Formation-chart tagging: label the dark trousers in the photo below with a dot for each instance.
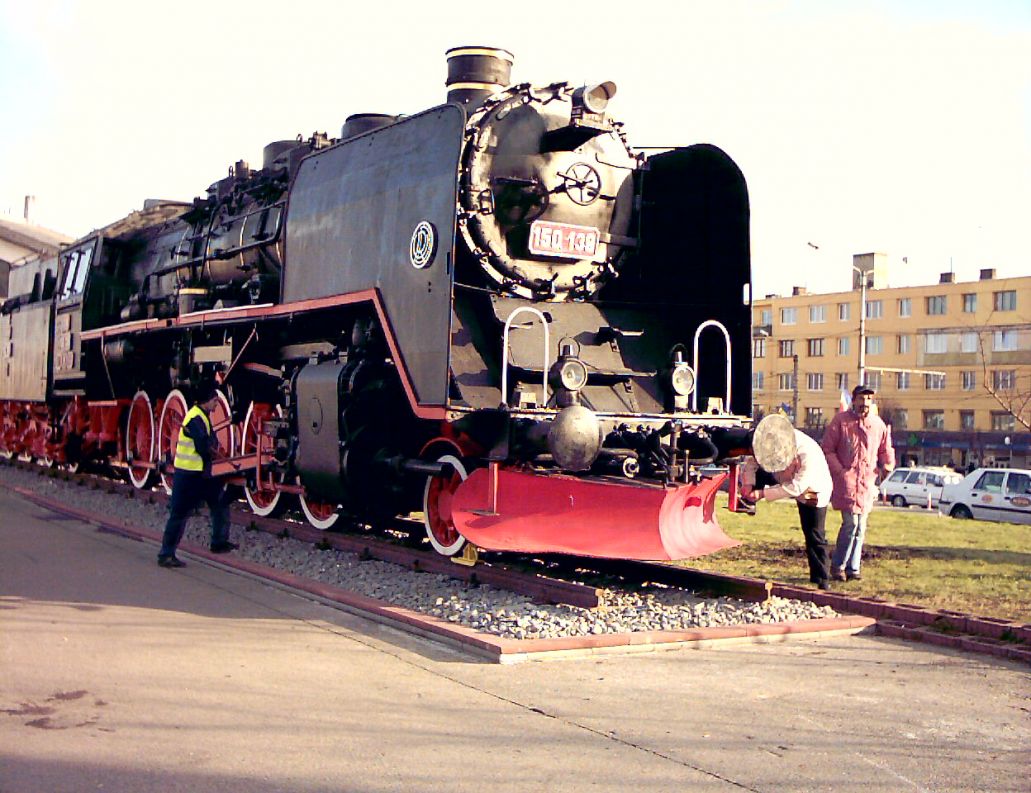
(813, 520)
(188, 490)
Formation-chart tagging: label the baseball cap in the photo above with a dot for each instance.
(862, 389)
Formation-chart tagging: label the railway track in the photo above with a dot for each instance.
(582, 583)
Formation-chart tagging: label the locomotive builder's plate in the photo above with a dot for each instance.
(563, 239)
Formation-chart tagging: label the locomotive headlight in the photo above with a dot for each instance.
(682, 379)
(593, 98)
(572, 374)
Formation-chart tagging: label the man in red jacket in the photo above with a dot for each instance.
(857, 443)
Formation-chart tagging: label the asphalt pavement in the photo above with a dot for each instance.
(118, 675)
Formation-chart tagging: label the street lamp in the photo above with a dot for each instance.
(863, 274)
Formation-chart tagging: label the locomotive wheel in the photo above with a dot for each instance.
(172, 414)
(436, 508)
(320, 514)
(139, 440)
(262, 495)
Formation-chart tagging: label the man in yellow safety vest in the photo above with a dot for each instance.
(193, 483)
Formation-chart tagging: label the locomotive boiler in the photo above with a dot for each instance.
(495, 312)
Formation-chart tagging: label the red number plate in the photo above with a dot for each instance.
(563, 239)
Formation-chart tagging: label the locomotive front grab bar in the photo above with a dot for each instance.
(709, 323)
(504, 351)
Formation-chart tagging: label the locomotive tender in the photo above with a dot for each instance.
(494, 311)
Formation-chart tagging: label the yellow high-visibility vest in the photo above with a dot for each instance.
(186, 456)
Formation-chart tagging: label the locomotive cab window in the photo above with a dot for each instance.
(76, 267)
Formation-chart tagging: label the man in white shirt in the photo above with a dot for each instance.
(790, 464)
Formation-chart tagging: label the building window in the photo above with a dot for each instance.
(874, 345)
(1004, 340)
(902, 344)
(814, 381)
(786, 382)
(900, 418)
(757, 381)
(934, 382)
(934, 419)
(814, 417)
(843, 346)
(935, 343)
(758, 348)
(968, 342)
(969, 303)
(936, 304)
(1004, 379)
(1003, 421)
(874, 309)
(906, 307)
(844, 311)
(788, 316)
(1005, 301)
(873, 379)
(787, 348)
(817, 313)
(841, 379)
(766, 316)
(815, 348)
(902, 381)
(969, 379)
(966, 419)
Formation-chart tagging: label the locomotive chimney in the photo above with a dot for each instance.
(474, 73)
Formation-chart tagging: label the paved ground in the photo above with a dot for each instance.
(117, 675)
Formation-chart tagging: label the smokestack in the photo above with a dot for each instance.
(474, 73)
(30, 202)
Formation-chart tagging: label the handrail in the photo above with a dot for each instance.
(709, 323)
(504, 351)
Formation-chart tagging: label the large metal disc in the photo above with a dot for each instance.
(773, 443)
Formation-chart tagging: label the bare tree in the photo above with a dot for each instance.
(1012, 392)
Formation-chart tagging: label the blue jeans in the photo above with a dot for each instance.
(188, 490)
(849, 550)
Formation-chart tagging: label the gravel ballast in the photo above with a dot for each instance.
(649, 608)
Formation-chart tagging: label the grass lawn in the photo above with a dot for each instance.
(909, 556)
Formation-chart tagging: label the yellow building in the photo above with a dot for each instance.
(951, 362)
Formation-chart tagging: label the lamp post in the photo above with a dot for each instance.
(862, 326)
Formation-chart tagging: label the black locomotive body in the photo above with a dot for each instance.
(493, 311)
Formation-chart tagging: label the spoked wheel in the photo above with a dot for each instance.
(436, 508)
(172, 414)
(320, 514)
(139, 441)
(262, 493)
(898, 501)
(222, 423)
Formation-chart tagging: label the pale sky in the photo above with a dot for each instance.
(897, 127)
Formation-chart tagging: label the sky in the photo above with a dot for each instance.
(895, 127)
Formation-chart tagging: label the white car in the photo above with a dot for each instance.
(1002, 494)
(907, 486)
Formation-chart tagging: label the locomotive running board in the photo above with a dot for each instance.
(564, 514)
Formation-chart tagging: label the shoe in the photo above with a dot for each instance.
(823, 584)
(745, 505)
(837, 574)
(853, 576)
(170, 561)
(224, 547)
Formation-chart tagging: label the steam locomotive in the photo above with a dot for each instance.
(494, 312)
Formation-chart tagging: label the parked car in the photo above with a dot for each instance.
(1002, 494)
(908, 486)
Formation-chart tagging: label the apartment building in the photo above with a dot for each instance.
(951, 362)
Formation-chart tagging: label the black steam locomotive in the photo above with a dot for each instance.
(493, 311)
